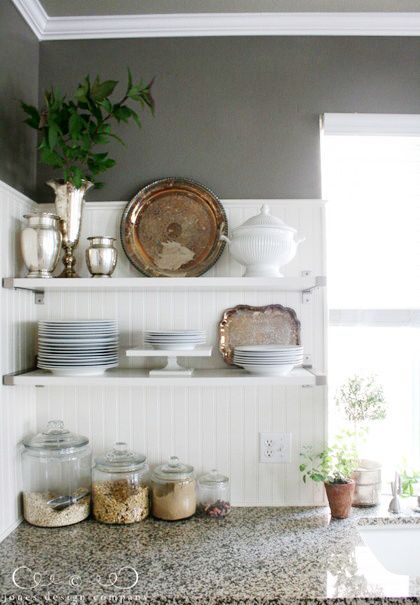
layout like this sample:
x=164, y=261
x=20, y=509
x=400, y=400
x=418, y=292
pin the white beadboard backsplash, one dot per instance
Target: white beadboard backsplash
x=208, y=427
x=18, y=315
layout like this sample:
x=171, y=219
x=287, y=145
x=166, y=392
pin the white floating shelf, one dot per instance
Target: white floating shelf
x=137, y=377
x=286, y=284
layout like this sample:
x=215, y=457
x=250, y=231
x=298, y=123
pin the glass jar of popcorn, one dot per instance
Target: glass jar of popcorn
x=120, y=492
x=57, y=468
x=173, y=491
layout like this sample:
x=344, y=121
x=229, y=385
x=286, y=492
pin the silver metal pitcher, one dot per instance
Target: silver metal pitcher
x=41, y=243
x=101, y=256
x=69, y=206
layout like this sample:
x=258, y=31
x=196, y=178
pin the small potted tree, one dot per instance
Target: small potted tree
x=362, y=402
x=334, y=466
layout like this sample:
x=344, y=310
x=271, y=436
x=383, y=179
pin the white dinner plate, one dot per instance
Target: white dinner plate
x=73, y=322
x=78, y=341
x=267, y=348
x=80, y=371
x=175, y=338
x=50, y=364
x=77, y=329
x=174, y=332
x=263, y=358
x=76, y=355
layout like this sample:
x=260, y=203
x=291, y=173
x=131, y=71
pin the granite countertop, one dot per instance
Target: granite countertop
x=255, y=556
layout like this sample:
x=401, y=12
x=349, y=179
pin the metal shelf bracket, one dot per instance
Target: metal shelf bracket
x=38, y=294
x=320, y=282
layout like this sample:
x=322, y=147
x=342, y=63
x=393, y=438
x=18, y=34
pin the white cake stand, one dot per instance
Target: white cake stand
x=172, y=367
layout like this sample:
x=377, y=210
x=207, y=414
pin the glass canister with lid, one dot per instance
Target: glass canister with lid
x=214, y=494
x=120, y=491
x=57, y=468
x=173, y=491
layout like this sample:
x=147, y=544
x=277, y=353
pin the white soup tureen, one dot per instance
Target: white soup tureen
x=263, y=244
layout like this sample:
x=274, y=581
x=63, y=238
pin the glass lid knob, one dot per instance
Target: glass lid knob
x=120, y=450
x=174, y=461
x=55, y=426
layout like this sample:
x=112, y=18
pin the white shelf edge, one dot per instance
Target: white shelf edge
x=138, y=377
x=287, y=284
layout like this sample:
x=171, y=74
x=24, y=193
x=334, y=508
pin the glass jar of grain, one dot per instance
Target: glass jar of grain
x=173, y=491
x=120, y=492
x=57, y=467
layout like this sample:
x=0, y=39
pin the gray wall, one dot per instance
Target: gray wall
x=238, y=114
x=19, y=61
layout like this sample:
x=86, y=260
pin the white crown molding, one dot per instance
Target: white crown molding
x=216, y=24
x=34, y=14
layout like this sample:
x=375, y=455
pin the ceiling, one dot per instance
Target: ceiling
x=66, y=8
x=95, y=19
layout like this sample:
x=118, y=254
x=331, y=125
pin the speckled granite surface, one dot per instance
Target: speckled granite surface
x=255, y=556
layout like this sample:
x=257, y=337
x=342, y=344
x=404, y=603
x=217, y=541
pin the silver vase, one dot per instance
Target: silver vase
x=101, y=256
x=69, y=203
x=41, y=243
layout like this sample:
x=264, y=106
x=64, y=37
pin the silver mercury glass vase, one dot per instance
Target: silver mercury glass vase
x=69, y=203
x=101, y=256
x=41, y=243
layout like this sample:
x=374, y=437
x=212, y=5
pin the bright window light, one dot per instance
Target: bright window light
x=371, y=181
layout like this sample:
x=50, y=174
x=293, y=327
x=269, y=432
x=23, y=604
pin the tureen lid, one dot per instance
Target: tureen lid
x=265, y=219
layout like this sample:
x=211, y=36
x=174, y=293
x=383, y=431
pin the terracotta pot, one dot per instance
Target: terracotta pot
x=340, y=496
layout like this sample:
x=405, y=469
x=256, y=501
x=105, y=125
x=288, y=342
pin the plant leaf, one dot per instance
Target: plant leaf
x=102, y=90
x=34, y=117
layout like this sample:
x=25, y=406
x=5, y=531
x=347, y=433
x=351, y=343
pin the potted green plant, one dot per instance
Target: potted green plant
x=334, y=466
x=410, y=480
x=72, y=132
x=361, y=399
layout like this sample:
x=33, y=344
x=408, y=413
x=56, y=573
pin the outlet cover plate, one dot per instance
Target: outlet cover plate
x=275, y=447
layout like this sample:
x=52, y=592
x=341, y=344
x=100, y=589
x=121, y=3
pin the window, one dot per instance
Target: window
x=371, y=181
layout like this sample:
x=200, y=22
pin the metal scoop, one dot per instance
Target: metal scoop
x=62, y=502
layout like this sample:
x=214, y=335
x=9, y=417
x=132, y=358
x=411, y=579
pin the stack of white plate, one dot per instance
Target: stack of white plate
x=268, y=360
x=172, y=340
x=79, y=347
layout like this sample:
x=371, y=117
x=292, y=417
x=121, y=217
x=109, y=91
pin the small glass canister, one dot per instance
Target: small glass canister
x=57, y=468
x=120, y=491
x=173, y=491
x=214, y=494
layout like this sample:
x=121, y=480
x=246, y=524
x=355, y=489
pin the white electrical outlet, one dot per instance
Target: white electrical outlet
x=275, y=447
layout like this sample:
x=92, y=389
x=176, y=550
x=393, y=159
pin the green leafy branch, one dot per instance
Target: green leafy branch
x=362, y=399
x=73, y=129
x=409, y=478
x=335, y=464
